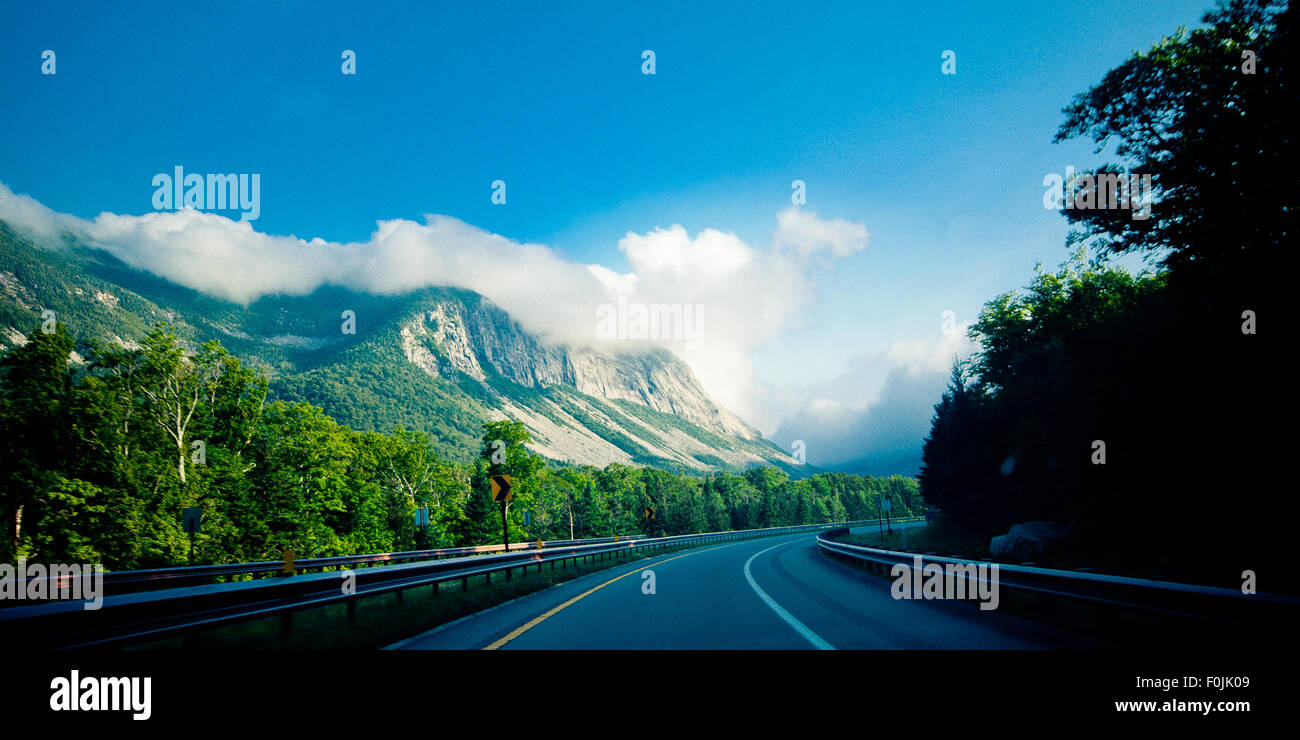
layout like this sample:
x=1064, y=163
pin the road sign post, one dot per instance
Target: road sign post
x=880, y=524
x=193, y=520
x=505, y=528
x=421, y=521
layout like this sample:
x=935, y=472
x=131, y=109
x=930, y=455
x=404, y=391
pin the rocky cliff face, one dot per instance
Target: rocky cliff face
x=475, y=338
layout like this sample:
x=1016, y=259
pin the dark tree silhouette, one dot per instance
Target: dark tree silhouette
x=1162, y=368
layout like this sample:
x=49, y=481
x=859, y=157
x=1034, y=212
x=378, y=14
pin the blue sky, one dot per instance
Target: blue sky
x=944, y=171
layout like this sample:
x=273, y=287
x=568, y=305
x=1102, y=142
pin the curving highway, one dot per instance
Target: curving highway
x=772, y=593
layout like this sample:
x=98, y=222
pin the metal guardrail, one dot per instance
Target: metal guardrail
x=150, y=615
x=1105, y=590
x=114, y=581
x=174, y=576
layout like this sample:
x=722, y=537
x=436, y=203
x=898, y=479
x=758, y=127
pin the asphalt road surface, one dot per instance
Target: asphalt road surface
x=771, y=593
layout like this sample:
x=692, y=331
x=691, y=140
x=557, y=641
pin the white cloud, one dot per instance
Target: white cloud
x=808, y=234
x=31, y=218
x=749, y=295
x=930, y=354
x=874, y=416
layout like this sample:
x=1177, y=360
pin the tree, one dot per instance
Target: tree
x=1215, y=140
x=302, y=461
x=173, y=386
x=621, y=489
x=35, y=431
x=408, y=472
x=502, y=451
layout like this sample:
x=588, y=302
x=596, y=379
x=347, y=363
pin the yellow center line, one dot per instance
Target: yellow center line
x=542, y=618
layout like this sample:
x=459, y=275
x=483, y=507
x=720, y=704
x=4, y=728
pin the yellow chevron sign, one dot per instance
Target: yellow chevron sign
x=501, y=488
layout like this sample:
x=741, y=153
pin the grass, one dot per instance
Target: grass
x=938, y=537
x=384, y=619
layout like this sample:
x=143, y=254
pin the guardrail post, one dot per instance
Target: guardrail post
x=352, y=610
x=286, y=624
x=464, y=583
x=435, y=588
x=508, y=572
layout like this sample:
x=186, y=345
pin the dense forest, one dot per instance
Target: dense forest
x=105, y=446
x=1138, y=411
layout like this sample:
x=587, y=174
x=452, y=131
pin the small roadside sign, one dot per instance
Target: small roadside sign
x=193, y=520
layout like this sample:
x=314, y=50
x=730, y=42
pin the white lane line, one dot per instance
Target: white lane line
x=789, y=618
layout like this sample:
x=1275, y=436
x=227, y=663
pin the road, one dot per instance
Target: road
x=771, y=593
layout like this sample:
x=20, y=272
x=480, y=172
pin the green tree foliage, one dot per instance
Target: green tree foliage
x=35, y=438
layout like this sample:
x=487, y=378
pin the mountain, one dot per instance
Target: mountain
x=440, y=360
